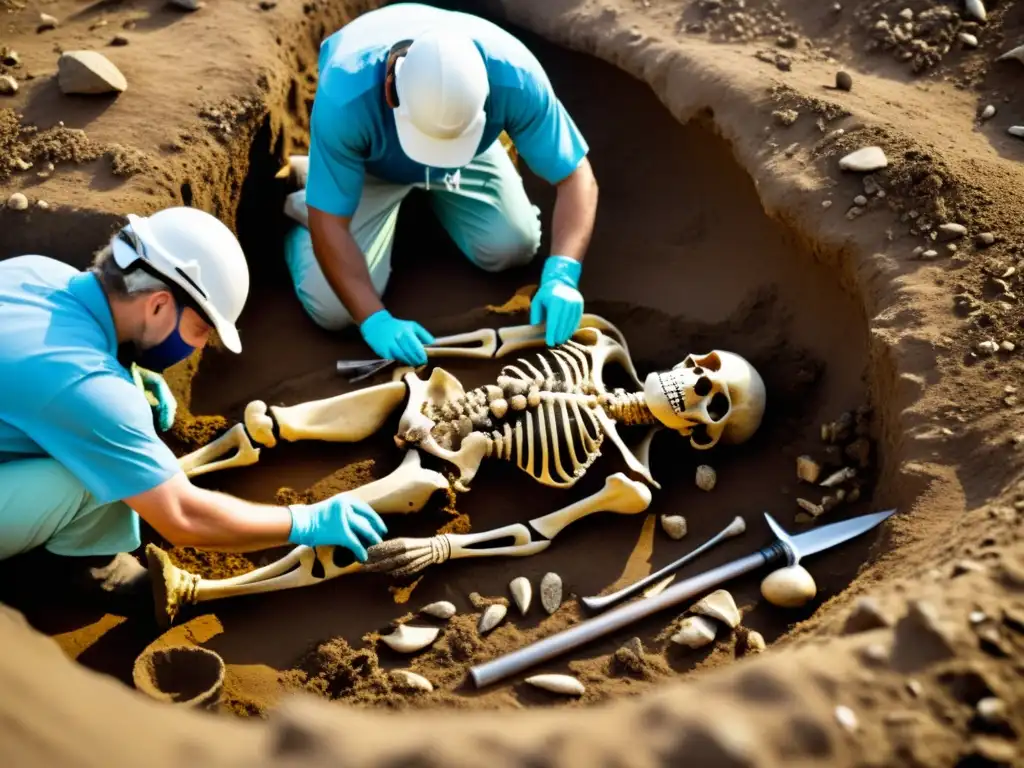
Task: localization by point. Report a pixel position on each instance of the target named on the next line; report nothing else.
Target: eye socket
(703, 386)
(718, 408)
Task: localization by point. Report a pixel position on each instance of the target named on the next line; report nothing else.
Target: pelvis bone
(550, 413)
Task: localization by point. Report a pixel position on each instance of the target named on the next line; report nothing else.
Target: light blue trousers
(490, 218)
(43, 504)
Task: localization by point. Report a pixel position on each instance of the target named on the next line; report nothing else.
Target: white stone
(719, 605)
(860, 200)
(8, 85)
(17, 202)
(968, 39)
(565, 684)
(846, 718)
(406, 639)
(441, 610)
(789, 587)
(413, 680)
(988, 112)
(695, 632)
(865, 160)
(88, 72)
(706, 477)
(988, 347)
(826, 203)
(1016, 130)
(551, 592)
(674, 526)
(491, 618)
(522, 593)
(952, 231)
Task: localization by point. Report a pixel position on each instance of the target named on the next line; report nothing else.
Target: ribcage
(557, 435)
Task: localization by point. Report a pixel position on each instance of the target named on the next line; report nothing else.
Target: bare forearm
(343, 264)
(574, 214)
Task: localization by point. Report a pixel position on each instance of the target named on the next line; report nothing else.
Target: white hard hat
(196, 252)
(441, 85)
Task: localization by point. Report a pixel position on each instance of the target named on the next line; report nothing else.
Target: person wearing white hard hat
(80, 458)
(414, 97)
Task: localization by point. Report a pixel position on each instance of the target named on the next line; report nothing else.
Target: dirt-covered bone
(550, 413)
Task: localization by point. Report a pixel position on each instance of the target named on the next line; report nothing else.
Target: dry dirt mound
(725, 222)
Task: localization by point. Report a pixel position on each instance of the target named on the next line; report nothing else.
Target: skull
(708, 398)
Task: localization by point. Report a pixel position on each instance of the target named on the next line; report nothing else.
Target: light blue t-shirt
(352, 129)
(63, 393)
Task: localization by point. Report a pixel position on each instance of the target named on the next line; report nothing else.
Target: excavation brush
(785, 550)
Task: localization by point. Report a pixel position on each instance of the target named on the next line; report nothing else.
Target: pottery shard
(551, 592)
(89, 72)
(807, 469)
(865, 160)
(719, 605)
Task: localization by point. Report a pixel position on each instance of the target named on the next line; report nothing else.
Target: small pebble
(844, 81)
(988, 112)
(8, 85)
(915, 688)
(991, 709)
(826, 203)
(42, 204)
(968, 39)
(674, 526)
(1016, 130)
(860, 200)
(9, 57)
(706, 477)
(846, 718)
(119, 40)
(985, 239)
(906, 14)
(976, 617)
(988, 347)
(1007, 346)
(17, 202)
(46, 21)
(929, 254)
(952, 231)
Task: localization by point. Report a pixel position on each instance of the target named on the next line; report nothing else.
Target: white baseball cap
(442, 86)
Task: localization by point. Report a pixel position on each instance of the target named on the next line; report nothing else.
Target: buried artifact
(550, 414)
(785, 549)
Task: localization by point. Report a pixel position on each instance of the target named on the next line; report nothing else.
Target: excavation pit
(684, 259)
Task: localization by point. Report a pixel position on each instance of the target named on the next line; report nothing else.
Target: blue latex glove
(158, 395)
(557, 302)
(395, 339)
(340, 521)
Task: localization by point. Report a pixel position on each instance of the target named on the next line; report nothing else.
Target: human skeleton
(550, 413)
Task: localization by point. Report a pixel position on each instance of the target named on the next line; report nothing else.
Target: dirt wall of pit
(775, 710)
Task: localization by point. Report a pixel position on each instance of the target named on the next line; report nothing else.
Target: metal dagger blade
(828, 536)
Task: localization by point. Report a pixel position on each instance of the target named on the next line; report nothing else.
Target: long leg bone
(407, 489)
(405, 556)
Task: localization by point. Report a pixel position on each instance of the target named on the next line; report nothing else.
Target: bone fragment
(551, 592)
(807, 469)
(522, 593)
(789, 587)
(491, 618)
(413, 680)
(674, 526)
(814, 510)
(837, 478)
(695, 632)
(565, 684)
(1014, 53)
(406, 639)
(207, 458)
(346, 418)
(706, 477)
(719, 605)
(658, 588)
(441, 610)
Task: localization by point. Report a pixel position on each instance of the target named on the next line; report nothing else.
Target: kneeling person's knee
(508, 243)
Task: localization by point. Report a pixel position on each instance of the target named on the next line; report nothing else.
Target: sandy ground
(715, 136)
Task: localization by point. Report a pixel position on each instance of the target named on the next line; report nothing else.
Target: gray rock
(89, 72)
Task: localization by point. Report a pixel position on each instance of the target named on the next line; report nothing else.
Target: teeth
(719, 605)
(558, 684)
(551, 592)
(440, 610)
(491, 618)
(408, 639)
(522, 593)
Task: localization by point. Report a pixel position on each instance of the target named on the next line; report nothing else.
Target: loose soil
(725, 223)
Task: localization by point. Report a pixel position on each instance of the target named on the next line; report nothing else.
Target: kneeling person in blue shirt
(80, 458)
(411, 96)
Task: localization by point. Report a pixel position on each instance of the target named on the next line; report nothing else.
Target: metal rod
(599, 602)
(542, 650)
